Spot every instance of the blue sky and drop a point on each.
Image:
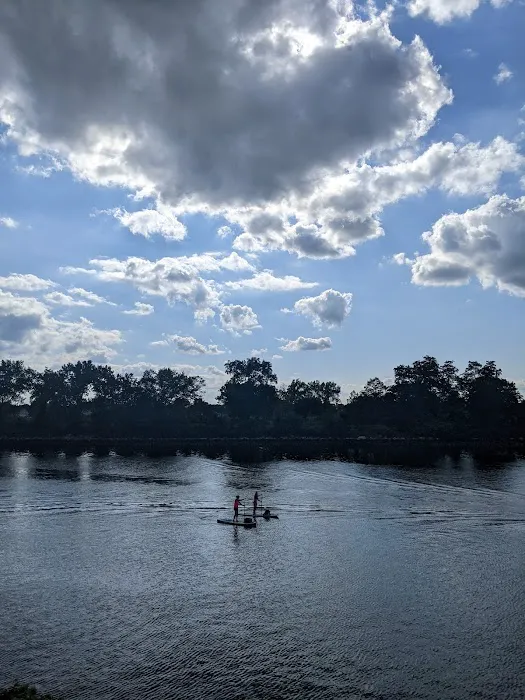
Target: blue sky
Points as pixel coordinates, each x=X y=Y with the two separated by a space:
x=263 y=188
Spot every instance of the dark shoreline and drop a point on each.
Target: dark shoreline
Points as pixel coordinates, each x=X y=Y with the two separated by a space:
x=253 y=449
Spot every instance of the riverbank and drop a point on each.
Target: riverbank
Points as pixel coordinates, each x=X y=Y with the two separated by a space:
x=361 y=449
x=23 y=692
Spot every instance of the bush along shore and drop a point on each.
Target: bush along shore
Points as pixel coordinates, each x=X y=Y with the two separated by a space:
x=91 y=407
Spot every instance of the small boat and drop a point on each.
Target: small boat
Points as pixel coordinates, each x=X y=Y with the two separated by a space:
x=246 y=523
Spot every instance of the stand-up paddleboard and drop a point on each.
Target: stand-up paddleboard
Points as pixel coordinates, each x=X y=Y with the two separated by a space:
x=250 y=524
x=266 y=517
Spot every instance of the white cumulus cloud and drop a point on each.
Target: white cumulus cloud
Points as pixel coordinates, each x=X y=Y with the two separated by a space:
x=445 y=11
x=147 y=222
x=189 y=345
x=25 y=283
x=503 y=75
x=28 y=331
x=8 y=222
x=61 y=299
x=140 y=309
x=266 y=281
x=487 y=242
x=238 y=319
x=177 y=279
x=301 y=344
x=329 y=309
x=89 y=296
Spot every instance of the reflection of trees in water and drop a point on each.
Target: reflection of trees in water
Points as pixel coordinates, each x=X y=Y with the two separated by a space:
x=247 y=452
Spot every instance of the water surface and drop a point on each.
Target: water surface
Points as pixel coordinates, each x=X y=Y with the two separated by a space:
x=375 y=582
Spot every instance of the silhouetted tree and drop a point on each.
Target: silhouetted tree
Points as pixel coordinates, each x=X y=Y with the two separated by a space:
x=425 y=399
x=16 y=380
x=250 y=390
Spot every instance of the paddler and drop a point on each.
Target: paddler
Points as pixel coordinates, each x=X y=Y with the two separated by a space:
x=236 y=505
x=255 y=503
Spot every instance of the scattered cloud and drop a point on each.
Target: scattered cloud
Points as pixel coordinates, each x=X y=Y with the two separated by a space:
x=177 y=279
x=188 y=345
x=224 y=232
x=485 y=242
x=329 y=309
x=140 y=309
x=8 y=222
x=83 y=298
x=401 y=259
x=160 y=221
x=28 y=331
x=61 y=299
x=90 y=296
x=238 y=319
x=503 y=75
x=260 y=352
x=69 y=270
x=445 y=11
x=266 y=281
x=307 y=344
x=25 y=283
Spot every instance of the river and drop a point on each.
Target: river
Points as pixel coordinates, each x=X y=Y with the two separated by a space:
x=383 y=583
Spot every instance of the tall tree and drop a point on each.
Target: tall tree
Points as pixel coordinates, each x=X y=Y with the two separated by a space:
x=16 y=380
x=250 y=390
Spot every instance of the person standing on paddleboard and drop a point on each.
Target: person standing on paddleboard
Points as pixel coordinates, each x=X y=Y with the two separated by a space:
x=255 y=503
x=236 y=505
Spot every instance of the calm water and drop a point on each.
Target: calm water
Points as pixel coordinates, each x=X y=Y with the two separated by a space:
x=383 y=583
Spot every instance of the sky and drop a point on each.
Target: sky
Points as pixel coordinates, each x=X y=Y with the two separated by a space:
x=337 y=188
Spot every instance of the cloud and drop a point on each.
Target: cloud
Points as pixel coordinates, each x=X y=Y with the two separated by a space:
x=28 y=331
x=19 y=317
x=140 y=309
x=329 y=309
x=267 y=282
x=25 y=283
x=177 y=279
x=503 y=75
x=346 y=208
x=86 y=298
x=307 y=344
x=147 y=222
x=239 y=319
x=224 y=232
x=189 y=345
x=90 y=296
x=445 y=11
x=61 y=299
x=487 y=242
x=401 y=259
x=8 y=222
x=261 y=351
x=283 y=96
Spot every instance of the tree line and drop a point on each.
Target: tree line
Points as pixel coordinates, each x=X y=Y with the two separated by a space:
x=425 y=399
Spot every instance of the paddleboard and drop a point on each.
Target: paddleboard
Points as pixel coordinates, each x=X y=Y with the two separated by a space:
x=237 y=524
x=266 y=517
